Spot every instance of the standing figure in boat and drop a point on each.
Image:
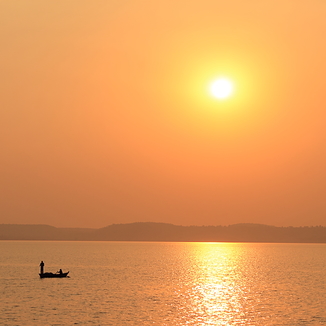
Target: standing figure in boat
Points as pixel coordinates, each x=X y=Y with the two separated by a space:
x=42 y=267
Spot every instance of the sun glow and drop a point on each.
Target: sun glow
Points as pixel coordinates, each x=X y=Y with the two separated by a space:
x=221 y=88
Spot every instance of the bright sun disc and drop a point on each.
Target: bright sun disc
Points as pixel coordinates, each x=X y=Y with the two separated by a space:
x=221 y=88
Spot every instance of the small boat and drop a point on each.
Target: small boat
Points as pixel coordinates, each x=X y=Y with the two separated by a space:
x=52 y=275
x=49 y=274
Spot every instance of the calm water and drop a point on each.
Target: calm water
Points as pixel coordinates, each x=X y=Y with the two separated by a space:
x=130 y=283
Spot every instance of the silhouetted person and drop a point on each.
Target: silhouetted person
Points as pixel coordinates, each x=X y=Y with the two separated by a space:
x=60 y=271
x=42 y=267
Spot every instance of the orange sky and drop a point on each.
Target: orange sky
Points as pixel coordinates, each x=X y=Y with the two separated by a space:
x=105 y=114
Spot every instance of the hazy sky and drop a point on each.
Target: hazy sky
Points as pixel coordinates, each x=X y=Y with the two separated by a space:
x=106 y=115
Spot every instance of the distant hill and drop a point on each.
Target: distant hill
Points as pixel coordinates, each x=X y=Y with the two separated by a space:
x=167 y=232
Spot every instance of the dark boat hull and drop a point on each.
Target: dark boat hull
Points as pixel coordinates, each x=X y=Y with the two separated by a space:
x=53 y=275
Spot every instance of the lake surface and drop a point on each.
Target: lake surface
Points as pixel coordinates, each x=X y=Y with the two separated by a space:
x=144 y=283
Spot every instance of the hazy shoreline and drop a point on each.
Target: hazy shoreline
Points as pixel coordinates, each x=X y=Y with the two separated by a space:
x=148 y=231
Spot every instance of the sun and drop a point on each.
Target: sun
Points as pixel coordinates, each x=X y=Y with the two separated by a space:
x=221 y=88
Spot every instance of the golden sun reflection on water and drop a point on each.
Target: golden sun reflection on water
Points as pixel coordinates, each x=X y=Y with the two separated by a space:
x=248 y=284
x=217 y=295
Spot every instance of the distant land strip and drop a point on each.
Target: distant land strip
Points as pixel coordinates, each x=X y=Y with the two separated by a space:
x=148 y=231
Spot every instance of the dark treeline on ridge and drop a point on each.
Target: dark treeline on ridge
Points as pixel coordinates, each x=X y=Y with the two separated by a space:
x=167 y=232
